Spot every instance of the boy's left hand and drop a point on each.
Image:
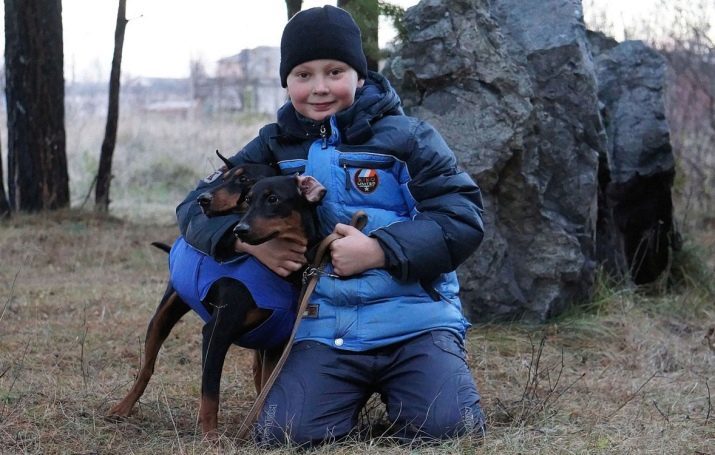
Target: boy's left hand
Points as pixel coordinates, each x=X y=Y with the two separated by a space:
x=355 y=252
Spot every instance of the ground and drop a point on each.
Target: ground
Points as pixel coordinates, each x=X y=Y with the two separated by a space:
x=631 y=372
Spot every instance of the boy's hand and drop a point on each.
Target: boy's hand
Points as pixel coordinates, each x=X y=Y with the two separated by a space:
x=355 y=252
x=282 y=256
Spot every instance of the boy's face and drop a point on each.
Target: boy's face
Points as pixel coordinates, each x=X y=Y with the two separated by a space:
x=320 y=88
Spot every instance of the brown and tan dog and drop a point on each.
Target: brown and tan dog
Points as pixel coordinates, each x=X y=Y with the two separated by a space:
x=282 y=207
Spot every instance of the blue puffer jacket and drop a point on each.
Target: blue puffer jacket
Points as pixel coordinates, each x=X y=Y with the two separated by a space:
x=423 y=210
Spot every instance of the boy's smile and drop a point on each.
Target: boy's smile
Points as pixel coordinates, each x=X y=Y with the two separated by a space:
x=321 y=88
x=322 y=106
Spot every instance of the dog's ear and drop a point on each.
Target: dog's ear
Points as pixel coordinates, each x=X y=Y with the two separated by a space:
x=237 y=172
x=225 y=160
x=310 y=188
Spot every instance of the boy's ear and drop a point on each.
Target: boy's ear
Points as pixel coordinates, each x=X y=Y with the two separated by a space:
x=310 y=188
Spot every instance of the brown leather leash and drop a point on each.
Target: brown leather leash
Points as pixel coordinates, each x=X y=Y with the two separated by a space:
x=312 y=273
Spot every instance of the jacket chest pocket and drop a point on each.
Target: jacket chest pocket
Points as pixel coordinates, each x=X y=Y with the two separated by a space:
x=290 y=167
x=373 y=182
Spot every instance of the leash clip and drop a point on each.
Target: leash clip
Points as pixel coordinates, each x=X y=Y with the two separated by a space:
x=310 y=272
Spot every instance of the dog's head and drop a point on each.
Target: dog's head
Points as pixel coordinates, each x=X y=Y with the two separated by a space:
x=280 y=207
x=229 y=195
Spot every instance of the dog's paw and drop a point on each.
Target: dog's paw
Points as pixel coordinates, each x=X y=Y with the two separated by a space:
x=119 y=412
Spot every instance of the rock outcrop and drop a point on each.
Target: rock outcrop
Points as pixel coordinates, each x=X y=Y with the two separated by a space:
x=635 y=226
x=512 y=86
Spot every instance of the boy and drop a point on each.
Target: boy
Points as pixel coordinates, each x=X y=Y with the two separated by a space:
x=391 y=321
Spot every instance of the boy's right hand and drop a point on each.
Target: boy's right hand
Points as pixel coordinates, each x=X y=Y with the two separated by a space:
x=281 y=256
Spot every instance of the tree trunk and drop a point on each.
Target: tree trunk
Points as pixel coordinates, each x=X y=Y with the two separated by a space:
x=293 y=7
x=37 y=159
x=367 y=15
x=4 y=204
x=104 y=173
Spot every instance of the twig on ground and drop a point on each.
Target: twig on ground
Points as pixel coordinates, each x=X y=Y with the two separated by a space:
x=21 y=363
x=710 y=404
x=81 y=352
x=12 y=293
x=661 y=412
x=530 y=403
x=552 y=388
x=566 y=388
x=4 y=372
x=630 y=398
x=710 y=338
x=504 y=408
x=532 y=379
x=171 y=416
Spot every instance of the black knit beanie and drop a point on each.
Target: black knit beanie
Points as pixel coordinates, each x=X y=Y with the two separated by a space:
x=321 y=33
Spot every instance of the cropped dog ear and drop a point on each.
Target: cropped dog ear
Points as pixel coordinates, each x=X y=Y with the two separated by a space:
x=237 y=173
x=225 y=160
x=310 y=188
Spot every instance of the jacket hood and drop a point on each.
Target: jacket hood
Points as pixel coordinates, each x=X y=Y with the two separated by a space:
x=375 y=99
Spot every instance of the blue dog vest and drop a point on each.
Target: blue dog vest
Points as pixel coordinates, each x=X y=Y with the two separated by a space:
x=192 y=274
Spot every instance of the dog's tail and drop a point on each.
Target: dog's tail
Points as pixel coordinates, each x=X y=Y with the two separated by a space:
x=162 y=246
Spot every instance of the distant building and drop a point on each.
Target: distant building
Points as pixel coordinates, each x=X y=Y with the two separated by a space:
x=245 y=82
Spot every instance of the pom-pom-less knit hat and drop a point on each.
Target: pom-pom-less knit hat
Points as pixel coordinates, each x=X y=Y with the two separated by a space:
x=321 y=33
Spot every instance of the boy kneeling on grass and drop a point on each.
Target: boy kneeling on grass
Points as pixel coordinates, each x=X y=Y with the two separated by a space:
x=391 y=321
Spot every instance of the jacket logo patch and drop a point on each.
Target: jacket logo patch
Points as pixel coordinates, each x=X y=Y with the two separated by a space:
x=213 y=176
x=311 y=311
x=366 y=180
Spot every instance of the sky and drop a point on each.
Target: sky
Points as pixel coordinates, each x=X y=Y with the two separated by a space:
x=164 y=36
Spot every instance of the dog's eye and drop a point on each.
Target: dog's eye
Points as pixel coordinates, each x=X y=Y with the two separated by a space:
x=272 y=199
x=243 y=179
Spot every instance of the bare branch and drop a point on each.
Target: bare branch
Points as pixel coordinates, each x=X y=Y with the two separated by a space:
x=630 y=398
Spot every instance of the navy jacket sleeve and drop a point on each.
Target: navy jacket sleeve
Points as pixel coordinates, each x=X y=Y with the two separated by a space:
x=214 y=235
x=449 y=225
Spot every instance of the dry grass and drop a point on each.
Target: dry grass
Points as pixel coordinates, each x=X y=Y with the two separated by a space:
x=632 y=373
x=157 y=157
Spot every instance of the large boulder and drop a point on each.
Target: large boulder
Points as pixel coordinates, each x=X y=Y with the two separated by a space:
x=635 y=226
x=455 y=72
x=512 y=86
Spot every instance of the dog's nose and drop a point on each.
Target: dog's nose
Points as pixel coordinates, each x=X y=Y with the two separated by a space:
x=204 y=201
x=241 y=230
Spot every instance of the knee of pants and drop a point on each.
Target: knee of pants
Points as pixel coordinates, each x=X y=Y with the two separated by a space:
x=449 y=403
x=275 y=429
x=293 y=414
x=268 y=433
x=469 y=420
x=458 y=415
x=283 y=433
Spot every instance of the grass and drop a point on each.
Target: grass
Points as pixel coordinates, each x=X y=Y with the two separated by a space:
x=157 y=157
x=632 y=373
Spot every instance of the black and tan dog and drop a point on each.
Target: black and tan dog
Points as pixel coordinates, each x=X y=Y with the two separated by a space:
x=235 y=310
x=236 y=181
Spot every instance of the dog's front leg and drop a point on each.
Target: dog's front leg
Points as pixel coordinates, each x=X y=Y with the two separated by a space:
x=170 y=310
x=229 y=299
x=215 y=347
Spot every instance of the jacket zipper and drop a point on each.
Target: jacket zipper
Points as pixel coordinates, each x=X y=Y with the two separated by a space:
x=324 y=136
x=347 y=176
